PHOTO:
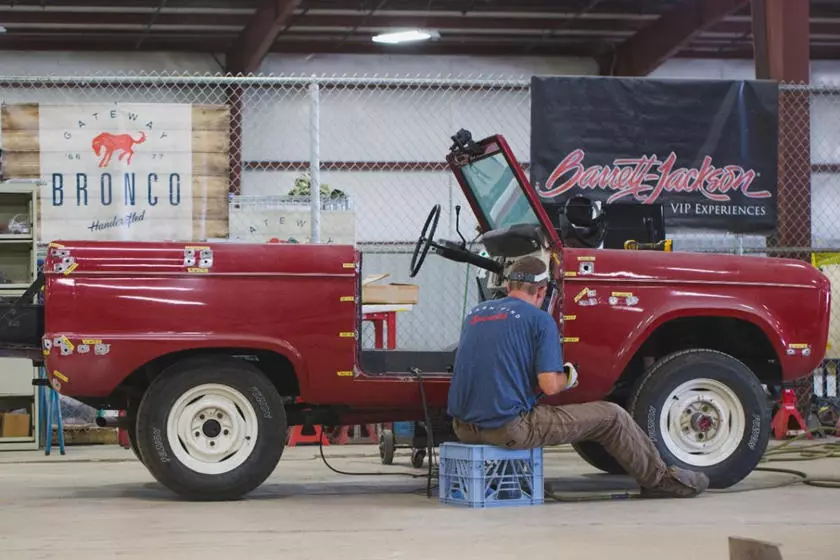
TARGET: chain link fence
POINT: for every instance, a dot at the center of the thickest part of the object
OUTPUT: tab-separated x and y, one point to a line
253	147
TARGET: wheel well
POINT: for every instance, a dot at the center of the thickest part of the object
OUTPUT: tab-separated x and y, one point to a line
276	367
741	339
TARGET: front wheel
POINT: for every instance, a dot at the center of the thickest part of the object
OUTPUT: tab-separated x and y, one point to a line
211	429
705	411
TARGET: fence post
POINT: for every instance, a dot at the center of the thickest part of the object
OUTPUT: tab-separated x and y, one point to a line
315	161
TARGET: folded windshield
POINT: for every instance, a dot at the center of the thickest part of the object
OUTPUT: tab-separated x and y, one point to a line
498	193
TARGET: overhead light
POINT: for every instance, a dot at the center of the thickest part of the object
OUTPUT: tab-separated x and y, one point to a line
2	29
404	36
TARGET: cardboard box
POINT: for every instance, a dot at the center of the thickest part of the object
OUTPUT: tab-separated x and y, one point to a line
14	425
388	293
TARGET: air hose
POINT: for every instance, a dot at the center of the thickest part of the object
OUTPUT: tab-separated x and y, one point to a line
782	452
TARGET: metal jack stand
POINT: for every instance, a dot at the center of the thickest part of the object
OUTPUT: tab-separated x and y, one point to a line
51	411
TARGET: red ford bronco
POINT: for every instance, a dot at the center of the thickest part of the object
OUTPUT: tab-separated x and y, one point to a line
215	348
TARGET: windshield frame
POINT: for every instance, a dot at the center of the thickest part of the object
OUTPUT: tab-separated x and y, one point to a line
491	146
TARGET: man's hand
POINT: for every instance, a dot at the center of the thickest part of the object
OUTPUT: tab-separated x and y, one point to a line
571	375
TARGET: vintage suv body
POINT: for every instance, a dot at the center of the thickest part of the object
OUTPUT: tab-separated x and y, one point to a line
214	349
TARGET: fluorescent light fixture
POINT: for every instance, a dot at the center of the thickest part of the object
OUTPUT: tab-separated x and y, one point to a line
409	36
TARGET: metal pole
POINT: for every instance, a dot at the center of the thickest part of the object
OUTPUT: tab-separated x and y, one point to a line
315	161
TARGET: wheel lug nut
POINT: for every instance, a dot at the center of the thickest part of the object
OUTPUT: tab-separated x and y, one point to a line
219	415
201	417
212	443
197	434
226	432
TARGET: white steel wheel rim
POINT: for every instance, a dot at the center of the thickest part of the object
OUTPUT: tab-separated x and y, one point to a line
212	429
702	422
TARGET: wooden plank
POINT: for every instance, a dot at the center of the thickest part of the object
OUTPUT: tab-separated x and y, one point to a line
24	116
21	141
750	549
20	116
27	165
21	165
209	141
210	164
211	117
87	434
211	229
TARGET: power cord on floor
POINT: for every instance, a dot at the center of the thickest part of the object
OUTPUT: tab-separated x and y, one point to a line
430	438
781	452
430	443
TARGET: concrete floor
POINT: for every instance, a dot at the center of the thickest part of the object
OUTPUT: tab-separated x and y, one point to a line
99	502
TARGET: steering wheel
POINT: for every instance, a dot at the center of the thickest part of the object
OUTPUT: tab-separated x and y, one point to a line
424	243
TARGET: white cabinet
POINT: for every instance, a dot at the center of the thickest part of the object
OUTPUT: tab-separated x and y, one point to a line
18	269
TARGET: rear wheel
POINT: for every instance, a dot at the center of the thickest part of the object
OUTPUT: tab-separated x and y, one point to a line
131	429
211	429
705	411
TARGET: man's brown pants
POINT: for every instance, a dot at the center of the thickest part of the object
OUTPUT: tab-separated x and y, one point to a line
603	422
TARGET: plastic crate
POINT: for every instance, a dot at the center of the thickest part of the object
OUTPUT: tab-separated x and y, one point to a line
484	476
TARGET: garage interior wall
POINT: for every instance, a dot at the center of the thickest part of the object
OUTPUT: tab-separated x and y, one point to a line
411	126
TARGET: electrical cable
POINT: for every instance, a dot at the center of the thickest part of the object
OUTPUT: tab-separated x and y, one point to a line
429	445
430	438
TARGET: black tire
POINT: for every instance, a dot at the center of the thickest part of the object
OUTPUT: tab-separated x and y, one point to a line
131	428
646	407
259	397
594	454
417	458
387	446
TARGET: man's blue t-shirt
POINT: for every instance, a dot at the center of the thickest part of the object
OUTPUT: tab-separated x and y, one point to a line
504	344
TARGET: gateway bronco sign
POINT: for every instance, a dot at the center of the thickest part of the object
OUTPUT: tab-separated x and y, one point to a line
706	151
116	171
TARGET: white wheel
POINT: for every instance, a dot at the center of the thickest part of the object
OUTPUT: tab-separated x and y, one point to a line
212	429
702	422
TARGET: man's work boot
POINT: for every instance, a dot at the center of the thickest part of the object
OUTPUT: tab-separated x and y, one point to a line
678	483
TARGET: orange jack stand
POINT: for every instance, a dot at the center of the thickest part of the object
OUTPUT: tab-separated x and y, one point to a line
782	421
343	435
122	435
297	436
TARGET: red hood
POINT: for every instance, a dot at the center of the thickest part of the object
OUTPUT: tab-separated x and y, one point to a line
698	267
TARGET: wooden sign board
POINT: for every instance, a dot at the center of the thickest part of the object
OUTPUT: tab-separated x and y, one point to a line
123	171
295	226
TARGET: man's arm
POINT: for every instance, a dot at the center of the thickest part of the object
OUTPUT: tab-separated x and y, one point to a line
553	376
554	382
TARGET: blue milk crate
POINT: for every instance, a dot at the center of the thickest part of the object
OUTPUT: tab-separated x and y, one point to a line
484	476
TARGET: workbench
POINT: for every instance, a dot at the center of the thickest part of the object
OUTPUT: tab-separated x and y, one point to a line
384	317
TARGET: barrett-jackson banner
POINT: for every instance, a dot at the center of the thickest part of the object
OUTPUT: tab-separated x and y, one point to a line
705	150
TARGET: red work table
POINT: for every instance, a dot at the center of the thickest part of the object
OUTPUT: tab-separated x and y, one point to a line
384	316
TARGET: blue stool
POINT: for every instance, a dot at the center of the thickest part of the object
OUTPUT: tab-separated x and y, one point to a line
485	476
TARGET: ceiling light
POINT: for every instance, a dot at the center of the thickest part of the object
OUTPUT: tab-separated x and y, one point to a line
403	36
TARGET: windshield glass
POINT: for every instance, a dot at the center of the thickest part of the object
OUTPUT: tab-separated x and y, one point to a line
498	193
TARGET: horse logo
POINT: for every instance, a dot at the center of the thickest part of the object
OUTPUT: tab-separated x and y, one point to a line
106	144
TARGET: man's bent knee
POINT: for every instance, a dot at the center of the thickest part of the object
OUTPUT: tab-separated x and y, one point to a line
611	410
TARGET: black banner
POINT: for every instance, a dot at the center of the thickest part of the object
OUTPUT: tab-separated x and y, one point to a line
707	150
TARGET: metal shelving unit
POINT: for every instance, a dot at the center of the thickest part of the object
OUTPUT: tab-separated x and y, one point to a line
18	269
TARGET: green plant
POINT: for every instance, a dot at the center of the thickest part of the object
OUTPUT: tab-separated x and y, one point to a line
303	188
